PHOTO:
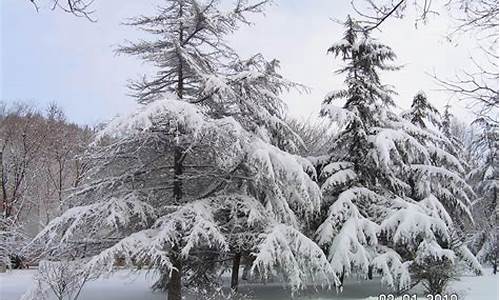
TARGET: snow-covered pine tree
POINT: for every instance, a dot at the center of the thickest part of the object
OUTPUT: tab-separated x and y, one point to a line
484	178
422	112
193	177
354	204
447	120
249	92
260	109
370	220
446	181
457	134
443	191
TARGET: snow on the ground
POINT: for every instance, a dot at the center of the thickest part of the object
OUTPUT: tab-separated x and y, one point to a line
124	285
477	287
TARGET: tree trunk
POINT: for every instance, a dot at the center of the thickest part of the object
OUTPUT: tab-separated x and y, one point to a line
370	272
177	173
235	272
175	284
5	201
341	277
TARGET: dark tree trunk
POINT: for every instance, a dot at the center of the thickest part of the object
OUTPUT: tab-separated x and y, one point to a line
175	284
177	174
235	272
370	272
5	201
341	277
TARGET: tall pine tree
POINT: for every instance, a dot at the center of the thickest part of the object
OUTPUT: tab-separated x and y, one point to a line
198	174
377	211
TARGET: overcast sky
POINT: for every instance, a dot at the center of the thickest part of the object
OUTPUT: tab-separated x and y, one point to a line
55	57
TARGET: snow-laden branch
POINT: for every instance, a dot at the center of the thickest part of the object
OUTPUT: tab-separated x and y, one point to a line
298	259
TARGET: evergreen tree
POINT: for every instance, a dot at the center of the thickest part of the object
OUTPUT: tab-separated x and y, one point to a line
422	112
198	174
484	178
443	191
458	136
353	205
453	194
446	122
379	212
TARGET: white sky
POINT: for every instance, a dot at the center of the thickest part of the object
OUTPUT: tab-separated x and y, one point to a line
54	57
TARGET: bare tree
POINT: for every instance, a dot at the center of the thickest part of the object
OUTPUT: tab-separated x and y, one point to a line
478	16
19	145
64	280
21	141
64	143
375	13
477	86
472	15
38	164
79	8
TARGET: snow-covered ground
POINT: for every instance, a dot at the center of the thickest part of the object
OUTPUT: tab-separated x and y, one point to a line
124	286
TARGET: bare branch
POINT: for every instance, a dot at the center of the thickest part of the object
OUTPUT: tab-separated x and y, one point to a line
79	8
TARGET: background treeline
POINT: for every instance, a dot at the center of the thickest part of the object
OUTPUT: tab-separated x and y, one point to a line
40	154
